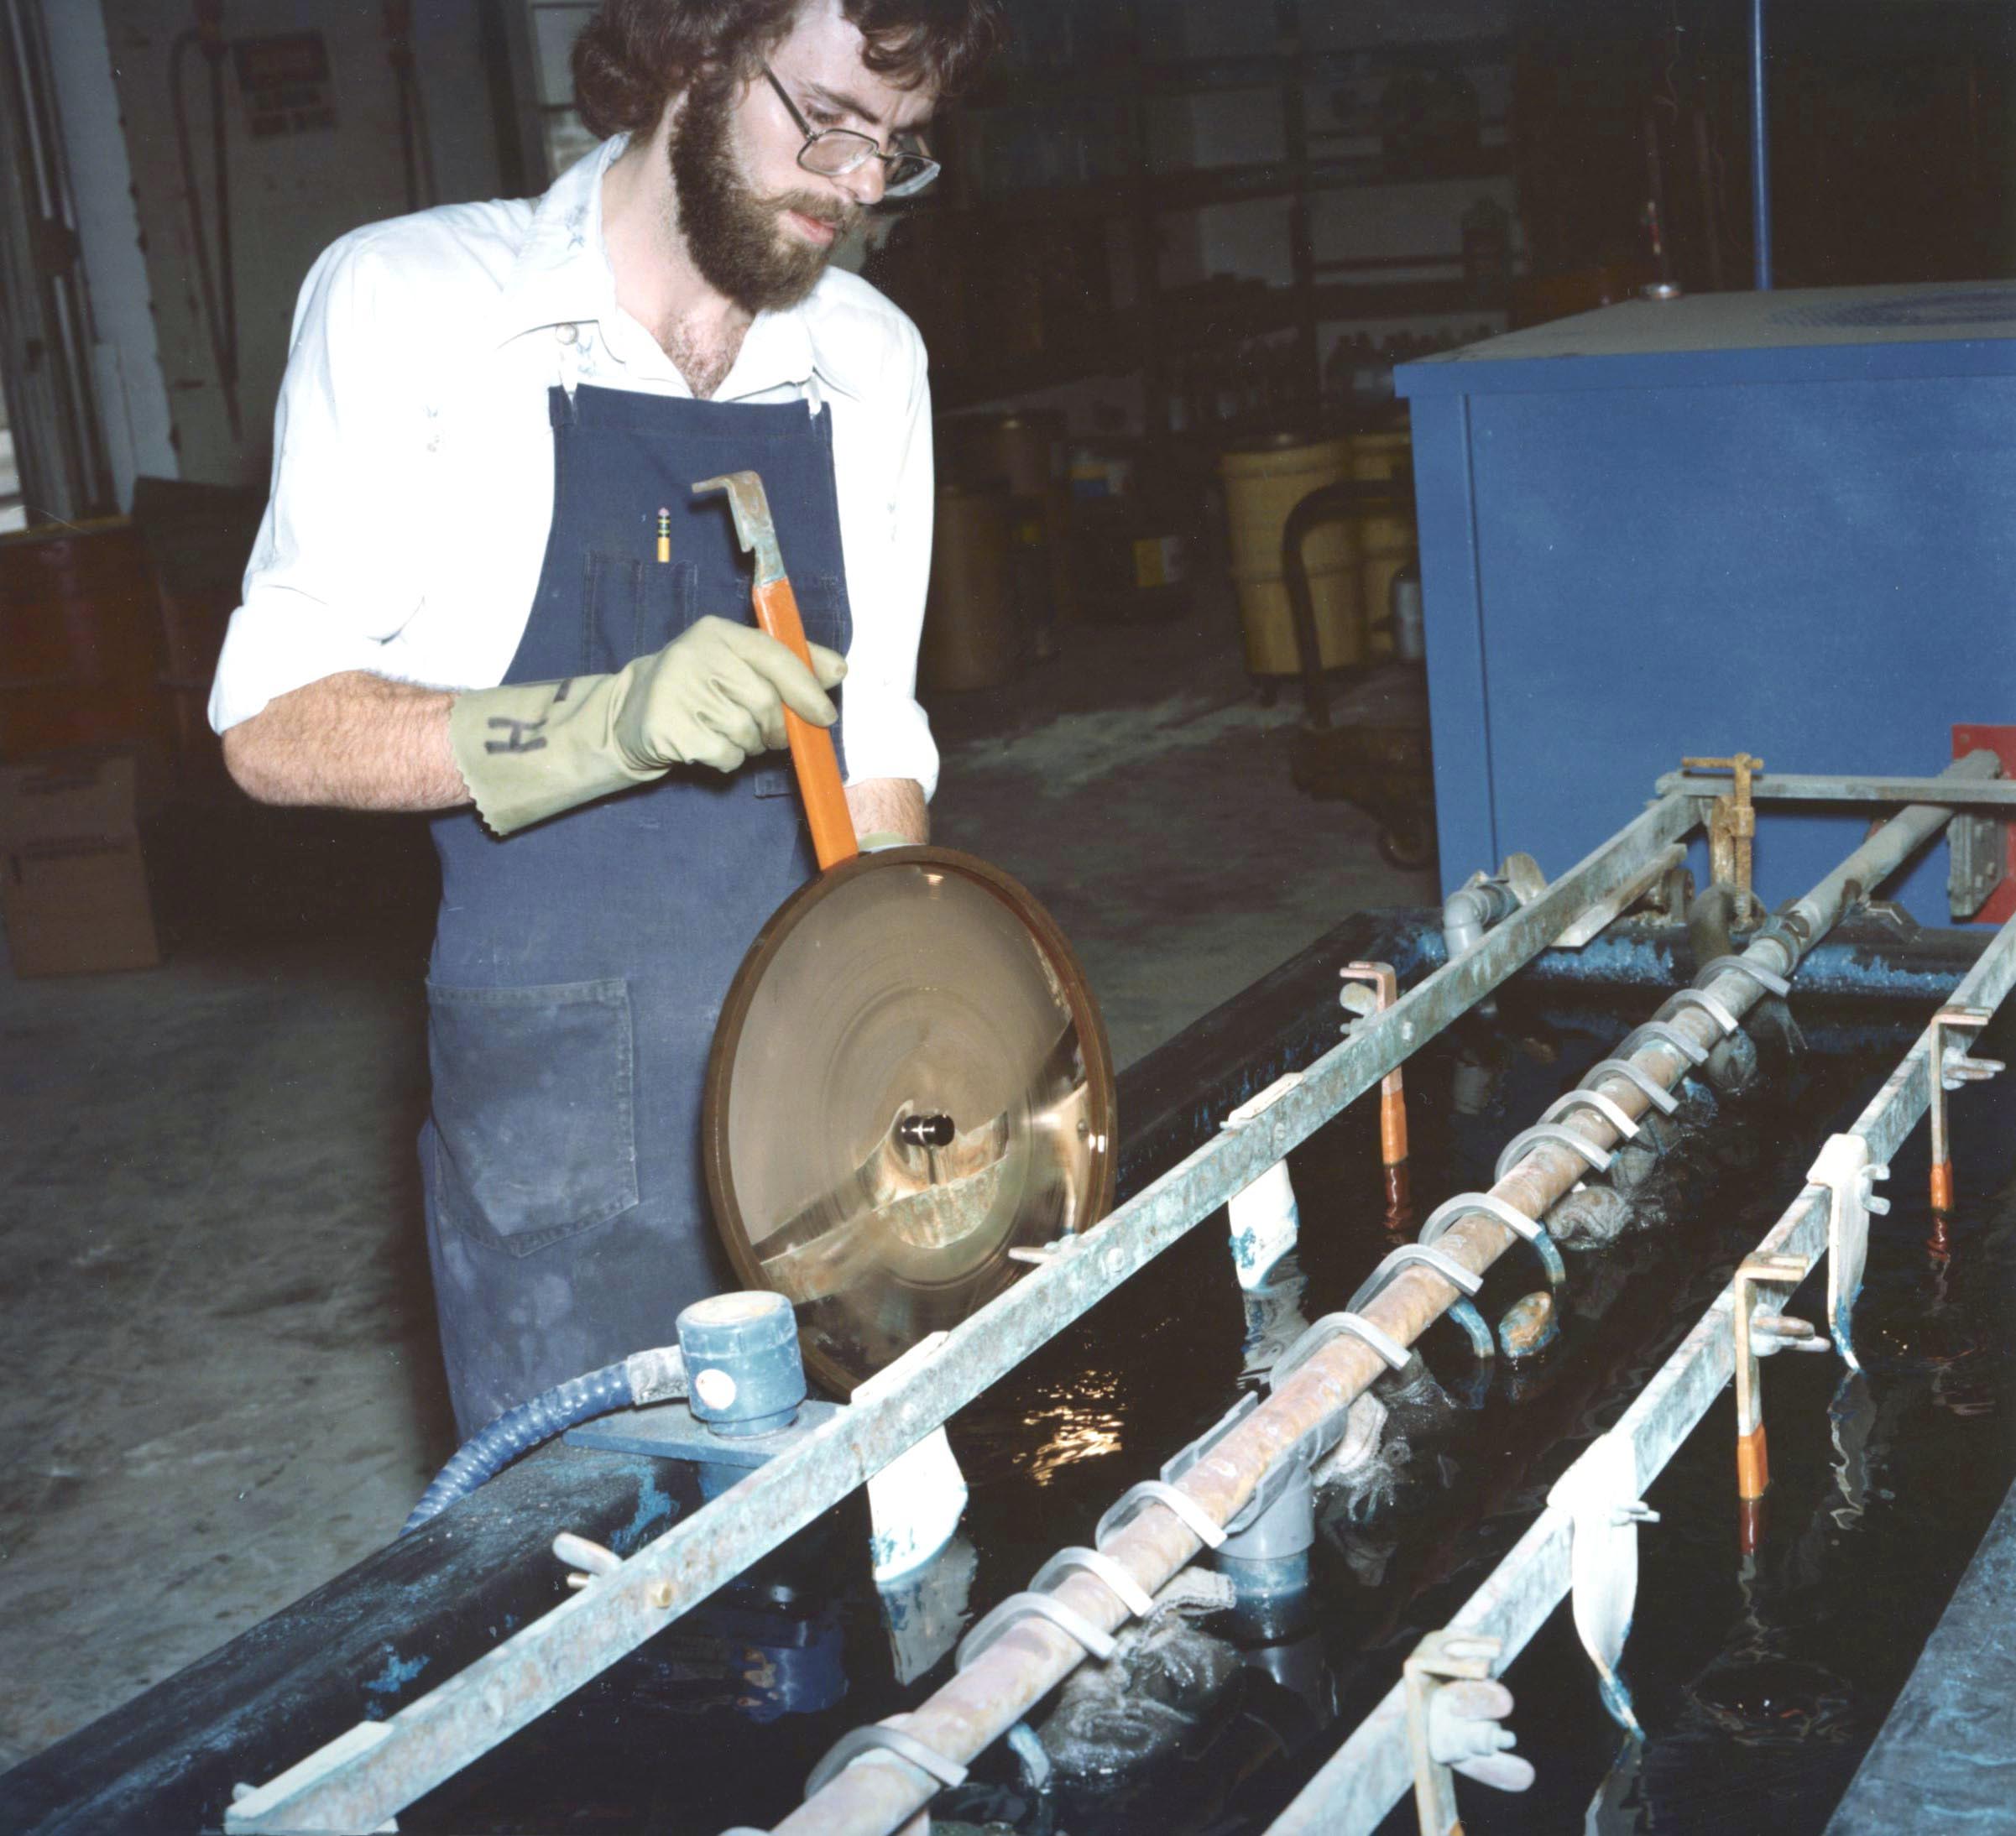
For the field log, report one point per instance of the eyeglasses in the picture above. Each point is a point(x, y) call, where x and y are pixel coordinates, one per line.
point(833, 153)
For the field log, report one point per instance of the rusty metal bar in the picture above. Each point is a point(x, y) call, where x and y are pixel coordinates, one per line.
point(368, 1775)
point(1985, 792)
point(1953, 1018)
point(980, 1704)
point(1372, 1771)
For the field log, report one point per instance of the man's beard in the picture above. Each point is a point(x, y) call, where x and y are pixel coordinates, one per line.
point(736, 238)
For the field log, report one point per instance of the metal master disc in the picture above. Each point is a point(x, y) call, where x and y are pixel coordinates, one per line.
point(909, 1078)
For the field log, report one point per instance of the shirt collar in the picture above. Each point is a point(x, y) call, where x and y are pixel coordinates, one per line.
point(562, 274)
point(562, 277)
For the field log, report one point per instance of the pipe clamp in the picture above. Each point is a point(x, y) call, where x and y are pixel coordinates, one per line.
point(1093, 1641)
point(1706, 1003)
point(1654, 1093)
point(858, 1743)
point(1395, 1355)
point(1607, 1107)
point(1120, 1584)
point(1527, 1139)
point(1291, 1463)
point(1665, 1034)
point(1766, 981)
point(1446, 1216)
point(1199, 1521)
point(1467, 1283)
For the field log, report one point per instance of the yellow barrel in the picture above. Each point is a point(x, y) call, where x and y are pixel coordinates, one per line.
point(1386, 543)
point(971, 637)
point(1262, 484)
point(1024, 449)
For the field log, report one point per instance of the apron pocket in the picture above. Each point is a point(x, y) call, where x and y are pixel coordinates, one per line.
point(532, 1109)
point(822, 604)
point(633, 608)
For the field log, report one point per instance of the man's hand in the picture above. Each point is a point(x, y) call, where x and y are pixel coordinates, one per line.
point(714, 695)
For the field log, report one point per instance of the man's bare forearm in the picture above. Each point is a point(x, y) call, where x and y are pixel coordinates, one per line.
point(358, 742)
point(350, 742)
point(890, 807)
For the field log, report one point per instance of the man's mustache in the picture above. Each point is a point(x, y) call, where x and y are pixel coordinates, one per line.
point(841, 217)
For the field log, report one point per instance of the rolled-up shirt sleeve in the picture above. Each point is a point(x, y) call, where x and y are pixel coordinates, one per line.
point(333, 575)
point(884, 731)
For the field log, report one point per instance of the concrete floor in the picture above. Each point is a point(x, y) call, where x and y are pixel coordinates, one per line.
point(221, 1387)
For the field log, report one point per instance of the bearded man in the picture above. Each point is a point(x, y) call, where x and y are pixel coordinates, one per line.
point(483, 589)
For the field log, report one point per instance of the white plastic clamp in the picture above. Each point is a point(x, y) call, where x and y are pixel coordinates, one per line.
point(1523, 1143)
point(1600, 1494)
point(858, 1743)
point(1340, 1325)
point(1846, 1170)
point(1447, 1215)
point(1655, 1092)
point(1707, 1003)
point(1465, 1281)
point(1765, 980)
point(1199, 1522)
point(1609, 1109)
point(1093, 1641)
point(1666, 1034)
point(1121, 1585)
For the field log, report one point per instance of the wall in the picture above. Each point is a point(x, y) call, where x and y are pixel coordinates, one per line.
point(132, 393)
point(290, 194)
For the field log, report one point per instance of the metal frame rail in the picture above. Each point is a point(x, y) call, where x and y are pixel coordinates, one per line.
point(1372, 1771)
point(365, 1776)
point(1796, 787)
point(1304, 1415)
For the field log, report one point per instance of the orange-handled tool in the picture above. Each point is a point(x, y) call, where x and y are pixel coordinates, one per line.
point(776, 607)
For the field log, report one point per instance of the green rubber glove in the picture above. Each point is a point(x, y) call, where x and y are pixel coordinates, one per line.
point(714, 695)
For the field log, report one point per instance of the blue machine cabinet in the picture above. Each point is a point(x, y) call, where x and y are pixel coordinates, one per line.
point(1782, 523)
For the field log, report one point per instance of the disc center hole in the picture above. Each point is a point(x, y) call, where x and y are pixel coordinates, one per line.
point(926, 1131)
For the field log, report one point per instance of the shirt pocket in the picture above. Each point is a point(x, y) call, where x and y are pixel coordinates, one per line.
point(630, 608)
point(821, 610)
point(533, 1109)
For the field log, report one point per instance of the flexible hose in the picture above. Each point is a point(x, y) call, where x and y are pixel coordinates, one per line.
point(518, 1431)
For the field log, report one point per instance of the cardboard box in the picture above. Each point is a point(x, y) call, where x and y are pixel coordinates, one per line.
point(73, 886)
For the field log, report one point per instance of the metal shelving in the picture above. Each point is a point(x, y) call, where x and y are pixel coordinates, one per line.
point(1145, 336)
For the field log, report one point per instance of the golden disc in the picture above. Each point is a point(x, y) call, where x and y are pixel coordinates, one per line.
point(909, 1078)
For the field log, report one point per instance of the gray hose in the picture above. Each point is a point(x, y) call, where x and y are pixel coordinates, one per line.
point(643, 1377)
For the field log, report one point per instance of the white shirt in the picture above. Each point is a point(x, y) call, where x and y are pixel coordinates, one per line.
point(413, 457)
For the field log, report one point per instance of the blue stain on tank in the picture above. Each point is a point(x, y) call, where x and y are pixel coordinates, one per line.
point(654, 1507)
point(389, 1681)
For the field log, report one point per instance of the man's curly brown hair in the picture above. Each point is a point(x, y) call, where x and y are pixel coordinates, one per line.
point(635, 56)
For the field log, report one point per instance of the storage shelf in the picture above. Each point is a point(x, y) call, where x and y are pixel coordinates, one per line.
point(1112, 345)
point(1163, 332)
point(1214, 185)
point(1167, 79)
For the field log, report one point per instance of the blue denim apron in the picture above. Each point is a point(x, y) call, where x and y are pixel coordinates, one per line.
point(579, 967)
